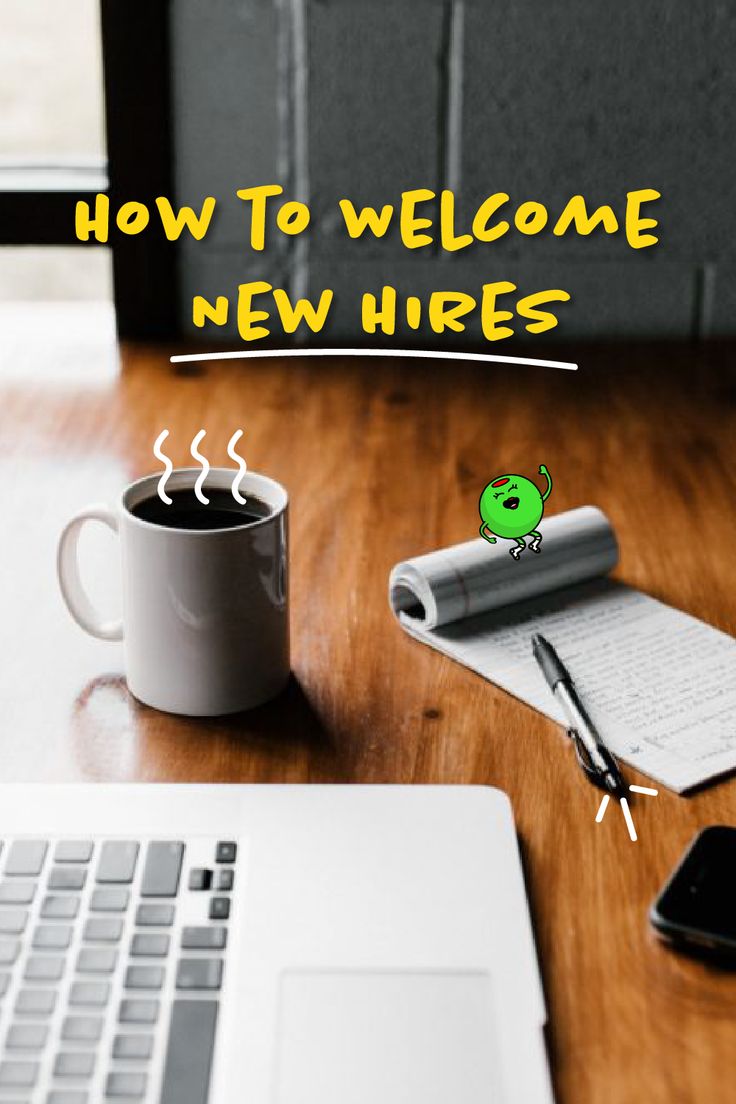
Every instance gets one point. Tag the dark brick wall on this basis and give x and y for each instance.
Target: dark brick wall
(367, 98)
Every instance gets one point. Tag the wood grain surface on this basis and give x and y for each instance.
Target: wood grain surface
(384, 460)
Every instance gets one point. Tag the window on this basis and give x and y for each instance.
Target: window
(62, 139)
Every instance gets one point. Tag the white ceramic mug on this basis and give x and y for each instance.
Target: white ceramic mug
(205, 624)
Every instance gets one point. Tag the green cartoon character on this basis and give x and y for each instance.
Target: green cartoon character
(512, 507)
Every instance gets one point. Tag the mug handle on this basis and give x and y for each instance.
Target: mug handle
(67, 568)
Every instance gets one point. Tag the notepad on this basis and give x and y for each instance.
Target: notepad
(659, 684)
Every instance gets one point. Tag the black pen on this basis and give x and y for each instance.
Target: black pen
(594, 757)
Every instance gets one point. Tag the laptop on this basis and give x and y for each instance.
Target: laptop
(265, 944)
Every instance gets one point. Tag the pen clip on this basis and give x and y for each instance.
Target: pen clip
(581, 754)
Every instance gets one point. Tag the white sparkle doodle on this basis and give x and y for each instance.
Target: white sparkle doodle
(602, 809)
(168, 466)
(242, 466)
(625, 809)
(205, 467)
(629, 819)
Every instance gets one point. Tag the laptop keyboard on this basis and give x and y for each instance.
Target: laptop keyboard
(112, 968)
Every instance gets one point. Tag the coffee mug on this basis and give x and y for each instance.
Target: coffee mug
(205, 624)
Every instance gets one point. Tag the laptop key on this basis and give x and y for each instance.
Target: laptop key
(4, 983)
(132, 1086)
(73, 851)
(199, 973)
(200, 878)
(9, 951)
(138, 1011)
(74, 1063)
(64, 1096)
(226, 852)
(154, 916)
(18, 1075)
(149, 945)
(225, 880)
(204, 939)
(163, 869)
(144, 977)
(35, 1002)
(44, 968)
(189, 1052)
(26, 857)
(139, 1047)
(13, 921)
(59, 908)
(52, 937)
(109, 900)
(90, 994)
(96, 960)
(82, 1029)
(219, 908)
(27, 1037)
(67, 877)
(118, 860)
(103, 929)
(17, 893)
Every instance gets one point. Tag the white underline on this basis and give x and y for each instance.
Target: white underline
(644, 790)
(417, 353)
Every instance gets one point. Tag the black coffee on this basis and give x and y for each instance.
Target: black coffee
(187, 512)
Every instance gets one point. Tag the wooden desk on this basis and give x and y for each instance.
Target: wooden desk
(383, 461)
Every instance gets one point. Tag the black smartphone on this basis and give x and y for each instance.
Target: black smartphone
(697, 907)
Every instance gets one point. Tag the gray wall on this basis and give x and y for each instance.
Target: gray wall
(367, 98)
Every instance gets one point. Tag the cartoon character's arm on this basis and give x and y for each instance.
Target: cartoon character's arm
(485, 536)
(543, 471)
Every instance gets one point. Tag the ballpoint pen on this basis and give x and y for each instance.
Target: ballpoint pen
(593, 756)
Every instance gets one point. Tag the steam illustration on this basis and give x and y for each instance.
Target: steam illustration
(242, 466)
(203, 462)
(168, 466)
(205, 466)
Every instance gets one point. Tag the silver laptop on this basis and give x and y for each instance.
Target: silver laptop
(265, 944)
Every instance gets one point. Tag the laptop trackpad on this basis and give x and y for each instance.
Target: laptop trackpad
(390, 1037)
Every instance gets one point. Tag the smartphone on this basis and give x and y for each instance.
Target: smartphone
(697, 907)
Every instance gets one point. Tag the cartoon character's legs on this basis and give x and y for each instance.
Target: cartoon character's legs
(534, 544)
(520, 546)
